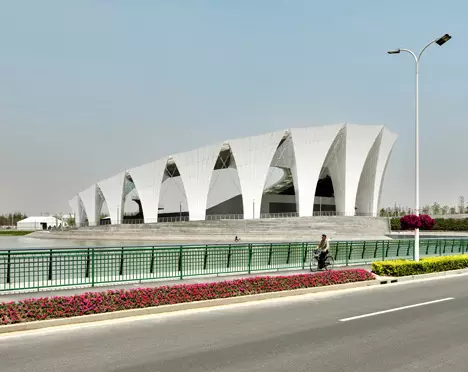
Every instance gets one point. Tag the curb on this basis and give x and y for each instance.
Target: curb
(28, 326)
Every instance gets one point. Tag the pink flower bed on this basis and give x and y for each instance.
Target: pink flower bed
(115, 300)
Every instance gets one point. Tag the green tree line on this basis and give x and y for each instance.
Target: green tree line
(11, 219)
(434, 210)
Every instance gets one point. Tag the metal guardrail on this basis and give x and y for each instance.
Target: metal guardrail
(214, 217)
(22, 269)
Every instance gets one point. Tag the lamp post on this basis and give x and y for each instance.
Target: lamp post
(440, 41)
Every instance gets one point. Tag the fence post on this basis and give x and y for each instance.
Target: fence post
(347, 257)
(289, 254)
(229, 257)
(50, 265)
(205, 257)
(303, 256)
(180, 262)
(152, 261)
(462, 243)
(270, 253)
(250, 258)
(88, 264)
(121, 261)
(383, 250)
(92, 267)
(8, 278)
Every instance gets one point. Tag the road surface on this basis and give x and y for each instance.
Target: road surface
(420, 326)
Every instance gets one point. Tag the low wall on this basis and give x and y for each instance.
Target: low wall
(260, 230)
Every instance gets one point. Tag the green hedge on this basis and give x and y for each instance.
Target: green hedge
(424, 266)
(14, 232)
(442, 224)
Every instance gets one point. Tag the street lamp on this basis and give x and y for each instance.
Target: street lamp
(440, 41)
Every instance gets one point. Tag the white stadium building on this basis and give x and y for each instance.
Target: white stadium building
(325, 170)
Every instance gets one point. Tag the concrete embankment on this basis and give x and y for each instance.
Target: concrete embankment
(261, 230)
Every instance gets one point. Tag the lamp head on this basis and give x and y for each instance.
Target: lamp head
(396, 51)
(441, 41)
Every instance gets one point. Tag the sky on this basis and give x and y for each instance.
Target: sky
(91, 88)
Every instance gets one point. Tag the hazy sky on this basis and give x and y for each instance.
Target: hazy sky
(90, 88)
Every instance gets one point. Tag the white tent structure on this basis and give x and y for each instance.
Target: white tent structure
(39, 223)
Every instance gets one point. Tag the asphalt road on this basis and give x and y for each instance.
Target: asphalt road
(300, 334)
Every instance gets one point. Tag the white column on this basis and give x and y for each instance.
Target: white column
(89, 198)
(75, 205)
(196, 169)
(148, 179)
(112, 190)
(346, 162)
(387, 142)
(365, 191)
(311, 146)
(253, 156)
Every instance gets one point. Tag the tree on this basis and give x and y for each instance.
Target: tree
(435, 209)
(445, 209)
(11, 219)
(426, 209)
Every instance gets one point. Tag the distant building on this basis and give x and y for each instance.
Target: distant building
(327, 170)
(39, 223)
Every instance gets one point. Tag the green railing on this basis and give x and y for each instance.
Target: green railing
(22, 269)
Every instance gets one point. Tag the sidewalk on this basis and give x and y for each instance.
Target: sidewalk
(51, 292)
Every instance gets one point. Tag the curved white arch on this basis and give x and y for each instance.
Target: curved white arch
(148, 179)
(387, 142)
(253, 157)
(346, 160)
(370, 184)
(311, 146)
(365, 191)
(77, 209)
(196, 169)
(359, 142)
(89, 198)
(112, 191)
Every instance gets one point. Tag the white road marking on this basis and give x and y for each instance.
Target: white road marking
(396, 309)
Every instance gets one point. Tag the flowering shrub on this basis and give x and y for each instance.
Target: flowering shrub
(427, 223)
(410, 222)
(114, 300)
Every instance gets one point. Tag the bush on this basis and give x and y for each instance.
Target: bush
(410, 222)
(439, 224)
(104, 302)
(15, 232)
(451, 224)
(395, 224)
(427, 222)
(424, 266)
